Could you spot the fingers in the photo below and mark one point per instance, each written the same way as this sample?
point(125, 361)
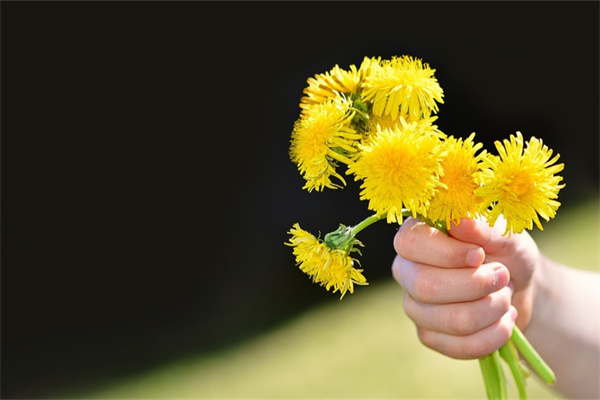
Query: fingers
point(465, 313)
point(456, 285)
point(459, 319)
point(518, 252)
point(424, 244)
point(476, 345)
point(433, 285)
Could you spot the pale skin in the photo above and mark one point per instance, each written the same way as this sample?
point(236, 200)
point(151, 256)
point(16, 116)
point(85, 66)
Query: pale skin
point(465, 291)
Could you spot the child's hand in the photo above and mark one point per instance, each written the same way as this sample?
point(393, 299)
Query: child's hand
point(457, 286)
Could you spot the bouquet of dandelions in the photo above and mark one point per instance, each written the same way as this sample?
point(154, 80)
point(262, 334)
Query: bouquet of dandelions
point(377, 120)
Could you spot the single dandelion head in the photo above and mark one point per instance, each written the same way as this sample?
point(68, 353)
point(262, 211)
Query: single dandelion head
point(402, 86)
point(320, 140)
point(340, 83)
point(330, 85)
point(328, 261)
point(520, 183)
point(455, 197)
point(400, 168)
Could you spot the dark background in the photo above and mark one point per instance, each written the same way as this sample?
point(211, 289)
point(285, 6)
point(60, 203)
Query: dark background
point(146, 185)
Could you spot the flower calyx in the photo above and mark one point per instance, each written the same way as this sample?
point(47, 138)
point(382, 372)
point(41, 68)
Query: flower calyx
point(342, 239)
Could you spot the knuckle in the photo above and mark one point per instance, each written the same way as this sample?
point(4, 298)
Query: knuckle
point(424, 288)
point(397, 269)
point(462, 322)
point(403, 241)
point(411, 309)
point(425, 337)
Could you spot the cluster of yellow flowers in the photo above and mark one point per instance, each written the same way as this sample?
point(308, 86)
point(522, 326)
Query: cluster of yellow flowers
point(377, 121)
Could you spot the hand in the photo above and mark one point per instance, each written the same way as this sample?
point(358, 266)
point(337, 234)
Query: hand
point(463, 290)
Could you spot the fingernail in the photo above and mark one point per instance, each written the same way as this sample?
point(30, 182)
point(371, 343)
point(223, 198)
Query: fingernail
point(502, 276)
point(513, 313)
point(475, 257)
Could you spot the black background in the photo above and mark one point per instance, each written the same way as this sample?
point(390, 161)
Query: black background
point(146, 185)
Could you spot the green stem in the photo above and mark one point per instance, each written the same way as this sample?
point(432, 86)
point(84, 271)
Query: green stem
point(440, 225)
point(509, 354)
point(493, 376)
point(489, 378)
point(531, 355)
point(503, 393)
point(365, 223)
point(371, 220)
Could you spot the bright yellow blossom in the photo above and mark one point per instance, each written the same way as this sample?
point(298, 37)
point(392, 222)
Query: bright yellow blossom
point(456, 197)
point(331, 268)
point(332, 84)
point(403, 86)
point(329, 85)
point(321, 139)
point(520, 183)
point(424, 125)
point(400, 168)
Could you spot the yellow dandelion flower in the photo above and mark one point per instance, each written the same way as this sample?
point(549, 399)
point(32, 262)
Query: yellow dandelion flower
point(329, 85)
point(400, 168)
point(367, 64)
point(520, 184)
point(424, 125)
point(334, 83)
point(331, 268)
point(320, 140)
point(403, 86)
point(456, 196)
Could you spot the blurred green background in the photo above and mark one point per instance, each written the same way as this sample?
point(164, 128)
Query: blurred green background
point(361, 347)
point(147, 188)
